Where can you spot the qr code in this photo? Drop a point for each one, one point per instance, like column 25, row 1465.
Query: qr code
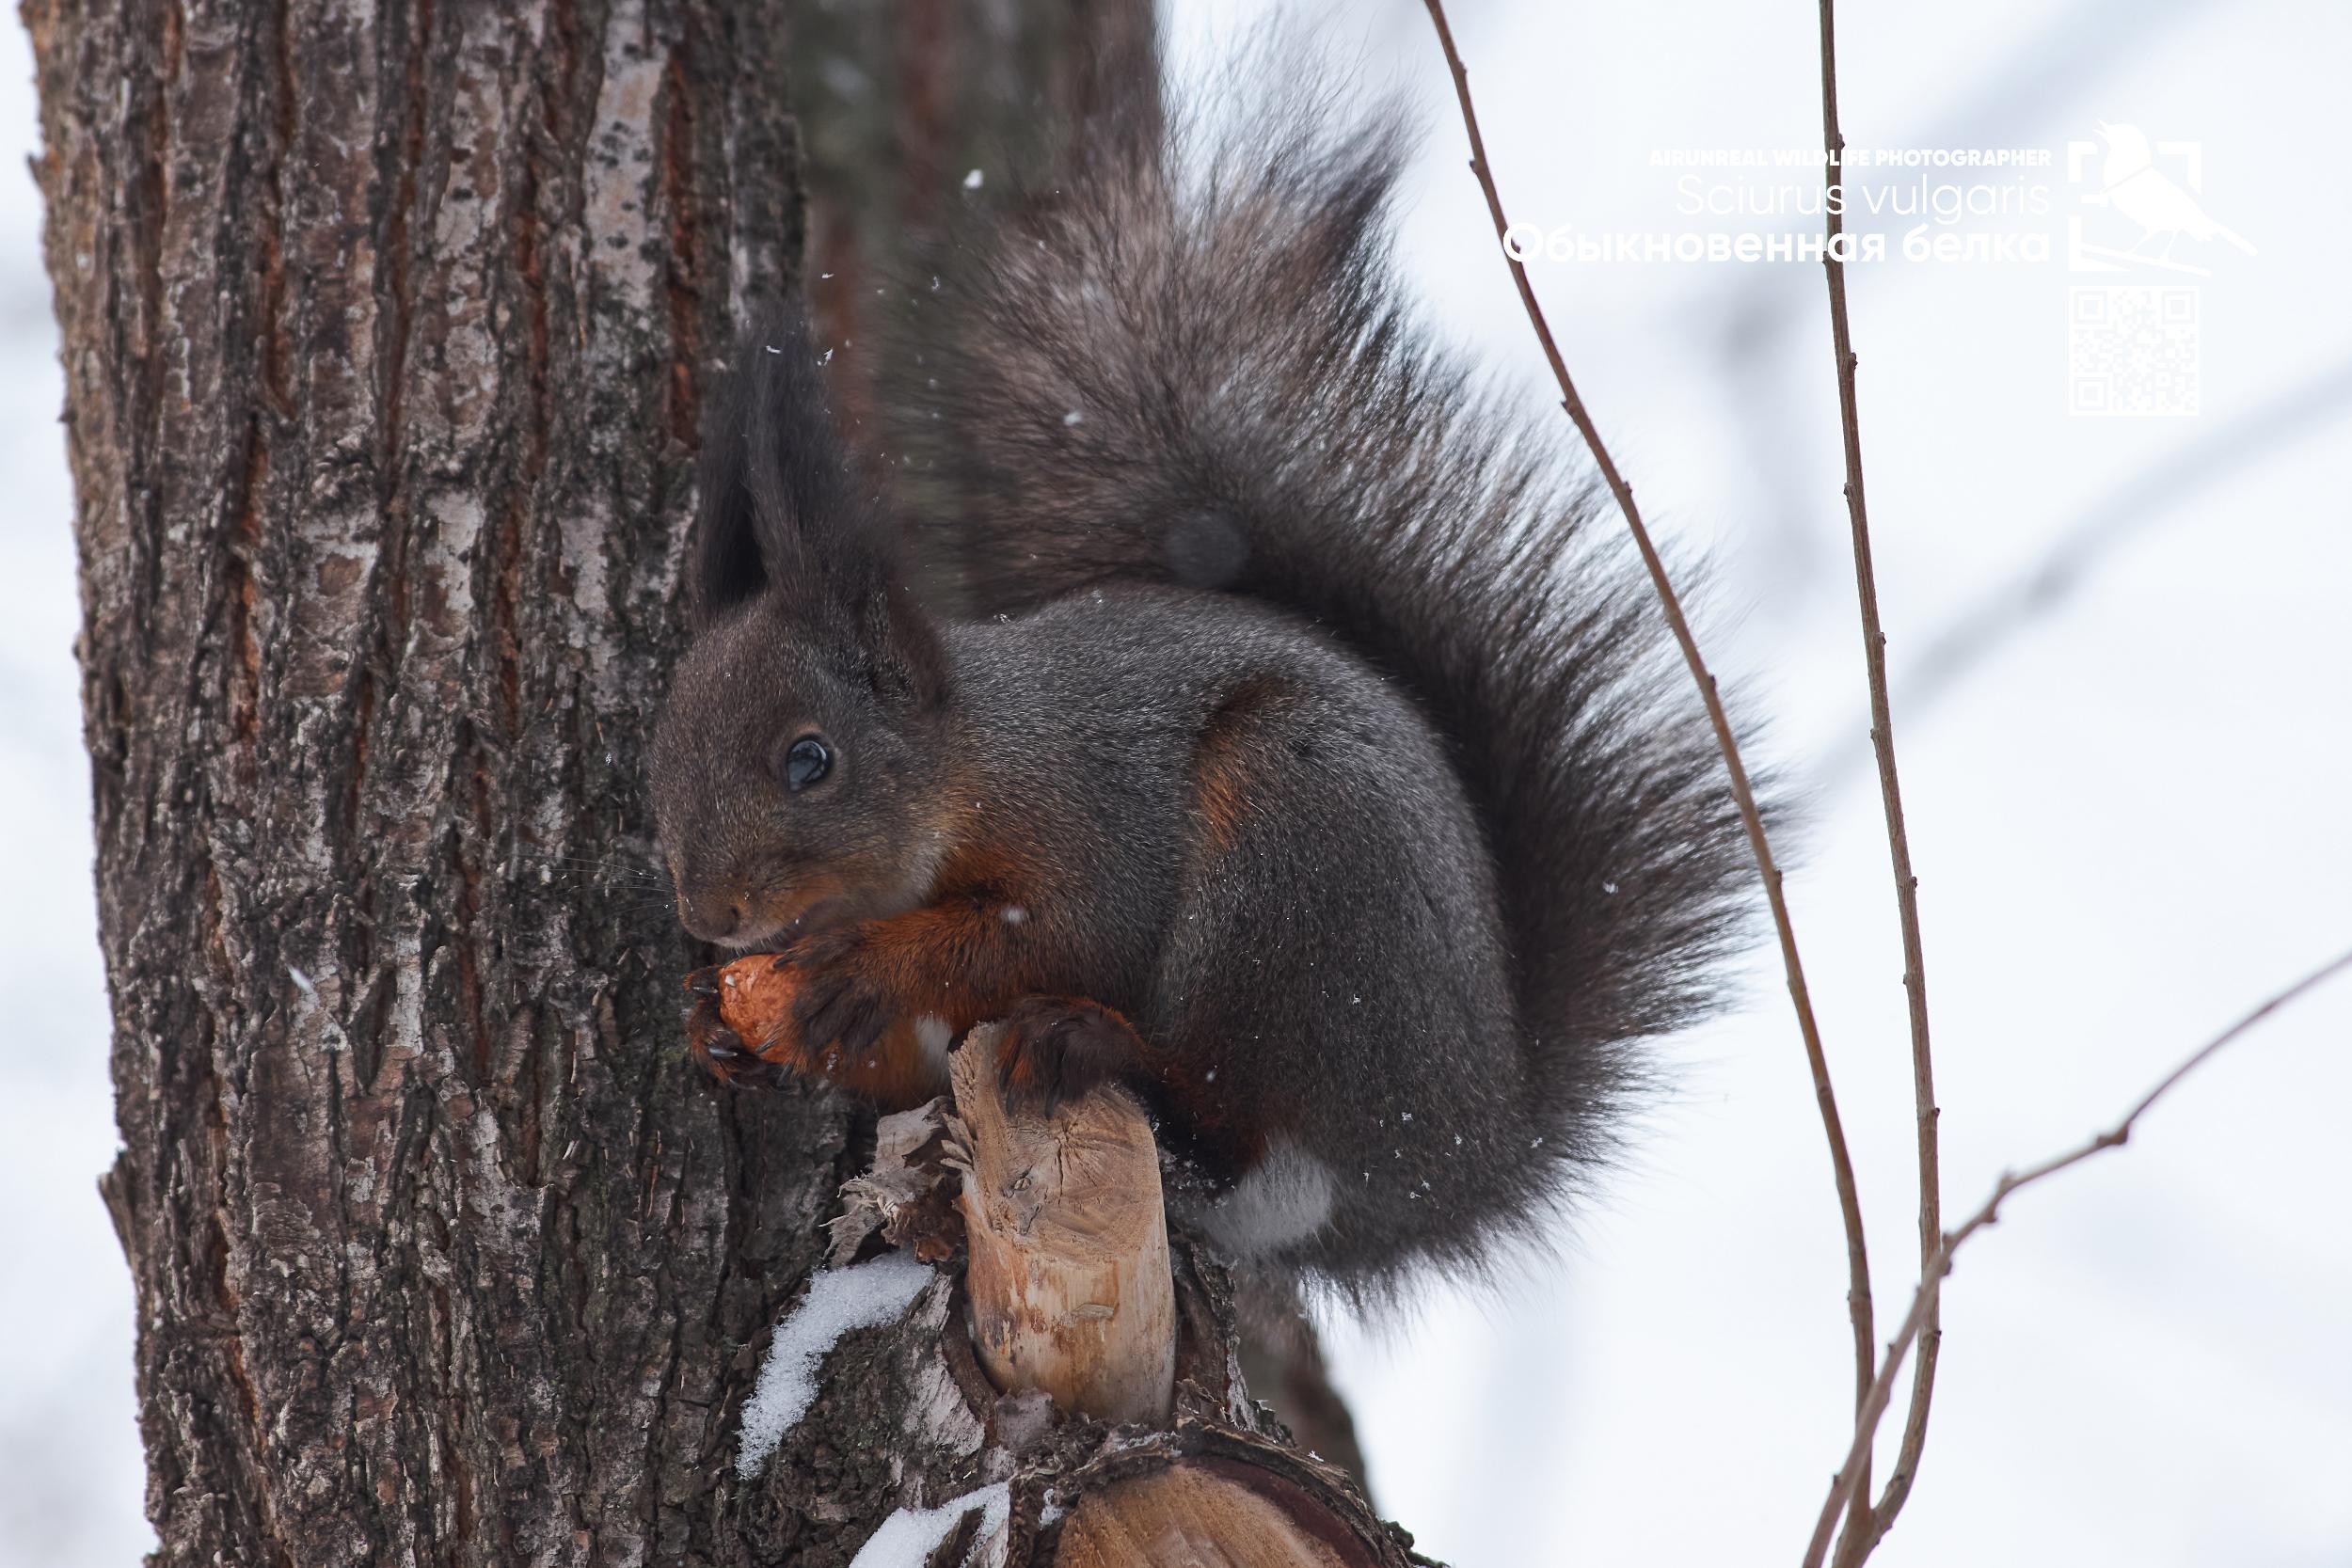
column 2131, row 351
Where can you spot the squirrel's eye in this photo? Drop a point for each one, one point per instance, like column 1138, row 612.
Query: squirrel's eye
column 805, row 763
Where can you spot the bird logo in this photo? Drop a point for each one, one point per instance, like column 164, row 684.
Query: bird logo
column 2131, row 185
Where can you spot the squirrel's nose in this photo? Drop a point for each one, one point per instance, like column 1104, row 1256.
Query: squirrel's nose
column 713, row 920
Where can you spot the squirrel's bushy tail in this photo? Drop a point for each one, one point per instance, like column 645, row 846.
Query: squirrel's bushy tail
column 1187, row 362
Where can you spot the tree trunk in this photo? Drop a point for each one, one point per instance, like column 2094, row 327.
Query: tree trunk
column 385, row 333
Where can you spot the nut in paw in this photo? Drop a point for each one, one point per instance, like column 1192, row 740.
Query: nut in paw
column 728, row 1004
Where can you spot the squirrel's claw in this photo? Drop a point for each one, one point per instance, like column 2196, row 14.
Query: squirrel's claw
column 733, row 1061
column 750, row 1071
column 1054, row 1049
column 723, row 1054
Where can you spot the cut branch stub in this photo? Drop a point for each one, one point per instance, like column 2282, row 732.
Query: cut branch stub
column 1067, row 1237
column 1190, row 1514
column 1072, row 1295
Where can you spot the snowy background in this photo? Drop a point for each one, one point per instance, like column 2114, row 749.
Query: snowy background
column 2128, row 805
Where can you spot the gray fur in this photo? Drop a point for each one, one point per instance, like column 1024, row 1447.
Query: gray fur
column 1473, row 845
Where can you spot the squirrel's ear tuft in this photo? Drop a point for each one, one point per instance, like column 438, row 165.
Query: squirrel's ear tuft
column 774, row 480
column 904, row 659
column 783, row 514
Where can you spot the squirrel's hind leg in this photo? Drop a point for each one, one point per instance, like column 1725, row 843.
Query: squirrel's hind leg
column 1333, row 1006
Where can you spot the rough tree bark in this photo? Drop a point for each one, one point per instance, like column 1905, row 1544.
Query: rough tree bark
column 386, row 328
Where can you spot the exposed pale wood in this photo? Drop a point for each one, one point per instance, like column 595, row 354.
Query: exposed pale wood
column 1186, row 1517
column 1069, row 1275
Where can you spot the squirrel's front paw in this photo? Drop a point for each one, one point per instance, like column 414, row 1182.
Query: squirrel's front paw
column 1054, row 1049
column 840, row 1007
column 714, row 1044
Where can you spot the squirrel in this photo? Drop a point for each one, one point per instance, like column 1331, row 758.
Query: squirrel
column 1306, row 756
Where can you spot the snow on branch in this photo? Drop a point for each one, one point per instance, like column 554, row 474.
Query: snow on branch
column 865, row 1296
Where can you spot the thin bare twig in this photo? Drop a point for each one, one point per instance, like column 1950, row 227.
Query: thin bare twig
column 1848, row 1200
column 1923, row 1305
column 1869, row 1523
